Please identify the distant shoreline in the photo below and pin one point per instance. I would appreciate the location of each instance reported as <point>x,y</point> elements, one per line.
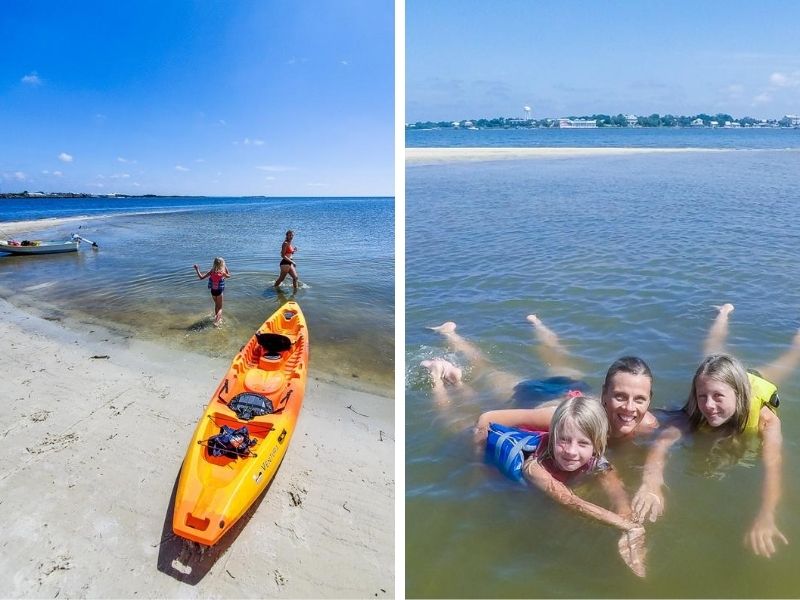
<point>20,195</point>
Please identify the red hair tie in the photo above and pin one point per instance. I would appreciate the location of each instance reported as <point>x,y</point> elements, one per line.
<point>574,394</point>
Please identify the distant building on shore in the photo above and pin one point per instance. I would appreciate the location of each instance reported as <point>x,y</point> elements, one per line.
<point>633,120</point>
<point>577,124</point>
<point>794,120</point>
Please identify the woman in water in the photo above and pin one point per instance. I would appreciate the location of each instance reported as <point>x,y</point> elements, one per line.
<point>288,266</point>
<point>626,393</point>
<point>728,401</point>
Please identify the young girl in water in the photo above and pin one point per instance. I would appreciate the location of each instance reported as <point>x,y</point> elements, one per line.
<point>216,283</point>
<point>575,445</point>
<point>728,400</point>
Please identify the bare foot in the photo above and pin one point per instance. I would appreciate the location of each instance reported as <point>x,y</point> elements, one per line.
<point>796,339</point>
<point>435,369</point>
<point>443,370</point>
<point>447,327</point>
<point>533,320</point>
<point>725,309</point>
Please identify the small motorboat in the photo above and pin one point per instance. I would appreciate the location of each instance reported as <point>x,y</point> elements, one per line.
<point>43,246</point>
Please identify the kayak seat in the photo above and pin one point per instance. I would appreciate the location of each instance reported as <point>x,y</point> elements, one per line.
<point>273,344</point>
<point>263,382</point>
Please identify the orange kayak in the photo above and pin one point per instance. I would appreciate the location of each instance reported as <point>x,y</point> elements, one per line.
<point>226,467</point>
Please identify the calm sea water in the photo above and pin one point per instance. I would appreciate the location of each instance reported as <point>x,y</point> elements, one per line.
<point>142,276</point>
<point>618,255</point>
<point>668,137</point>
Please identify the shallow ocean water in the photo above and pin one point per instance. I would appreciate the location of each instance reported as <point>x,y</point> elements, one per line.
<point>618,255</point>
<point>141,278</point>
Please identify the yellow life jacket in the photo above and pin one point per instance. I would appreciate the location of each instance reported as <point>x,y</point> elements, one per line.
<point>762,393</point>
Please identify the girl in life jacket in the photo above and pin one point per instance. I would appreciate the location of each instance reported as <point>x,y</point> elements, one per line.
<point>728,400</point>
<point>575,445</point>
<point>216,284</point>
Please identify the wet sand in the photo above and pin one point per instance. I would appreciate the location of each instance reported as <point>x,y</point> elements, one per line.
<point>95,427</point>
<point>433,156</point>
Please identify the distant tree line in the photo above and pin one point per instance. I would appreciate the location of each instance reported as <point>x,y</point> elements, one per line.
<point>620,120</point>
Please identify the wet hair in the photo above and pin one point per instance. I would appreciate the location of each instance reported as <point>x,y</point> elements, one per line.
<point>289,232</point>
<point>587,414</point>
<point>219,265</point>
<point>632,365</point>
<point>730,371</point>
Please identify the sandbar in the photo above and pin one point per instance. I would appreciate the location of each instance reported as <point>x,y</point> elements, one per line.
<point>94,428</point>
<point>432,156</point>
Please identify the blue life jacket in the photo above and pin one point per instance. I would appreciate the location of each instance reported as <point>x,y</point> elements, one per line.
<point>506,448</point>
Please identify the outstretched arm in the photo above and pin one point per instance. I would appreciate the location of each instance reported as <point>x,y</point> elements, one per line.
<point>764,533</point>
<point>649,499</point>
<point>536,474</point>
<point>200,275</point>
<point>632,543</point>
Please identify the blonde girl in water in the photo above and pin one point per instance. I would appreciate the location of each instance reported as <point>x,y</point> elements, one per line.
<point>216,284</point>
<point>574,446</point>
<point>727,400</point>
<point>288,266</point>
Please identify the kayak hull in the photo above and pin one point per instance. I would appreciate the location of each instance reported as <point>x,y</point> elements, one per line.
<point>215,491</point>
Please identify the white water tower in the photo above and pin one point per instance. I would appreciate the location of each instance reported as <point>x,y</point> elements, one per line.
<point>527,110</point>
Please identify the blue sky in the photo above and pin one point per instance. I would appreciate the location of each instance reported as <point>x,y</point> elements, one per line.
<point>470,59</point>
<point>203,97</point>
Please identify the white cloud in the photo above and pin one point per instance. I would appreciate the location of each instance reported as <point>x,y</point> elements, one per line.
<point>779,79</point>
<point>254,142</point>
<point>269,178</point>
<point>64,157</point>
<point>181,168</point>
<point>32,78</point>
<point>199,160</point>
<point>762,98</point>
<point>344,62</point>
<point>274,168</point>
<point>58,173</point>
<point>785,80</point>
<point>126,160</point>
<point>120,176</point>
<point>223,122</point>
<point>317,184</point>
<point>735,89</point>
<point>20,176</point>
<point>97,185</point>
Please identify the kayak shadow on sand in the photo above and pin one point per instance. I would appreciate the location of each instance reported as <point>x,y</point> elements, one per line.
<point>189,562</point>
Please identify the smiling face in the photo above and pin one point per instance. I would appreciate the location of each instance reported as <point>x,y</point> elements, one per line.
<point>573,448</point>
<point>715,399</point>
<point>626,399</point>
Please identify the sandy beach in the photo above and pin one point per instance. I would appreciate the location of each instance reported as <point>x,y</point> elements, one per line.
<point>95,427</point>
<point>433,156</point>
